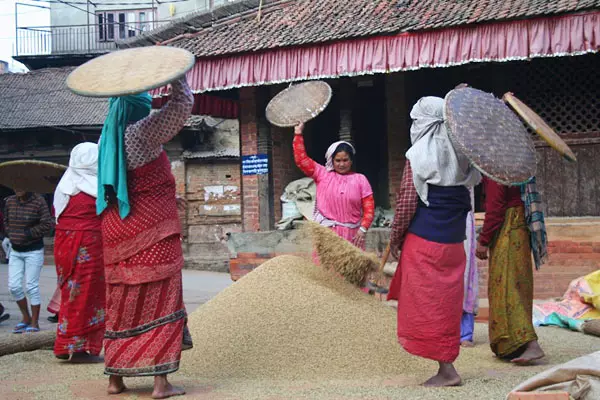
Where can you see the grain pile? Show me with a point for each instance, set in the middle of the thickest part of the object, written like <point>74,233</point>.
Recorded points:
<point>341,256</point>
<point>290,319</point>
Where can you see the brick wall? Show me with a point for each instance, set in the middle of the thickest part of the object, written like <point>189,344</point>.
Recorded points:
<point>568,260</point>
<point>249,143</point>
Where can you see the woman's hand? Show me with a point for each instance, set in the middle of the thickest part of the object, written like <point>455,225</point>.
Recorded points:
<point>395,252</point>
<point>299,129</point>
<point>359,239</point>
<point>481,252</point>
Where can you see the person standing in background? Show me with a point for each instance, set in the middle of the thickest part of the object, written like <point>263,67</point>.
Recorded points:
<point>26,220</point>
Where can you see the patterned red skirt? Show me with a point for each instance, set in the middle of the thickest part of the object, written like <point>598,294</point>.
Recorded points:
<point>144,327</point>
<point>80,270</point>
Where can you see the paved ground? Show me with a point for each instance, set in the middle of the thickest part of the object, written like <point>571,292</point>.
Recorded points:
<point>198,288</point>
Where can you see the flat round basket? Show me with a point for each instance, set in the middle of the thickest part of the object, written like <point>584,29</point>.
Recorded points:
<point>298,103</point>
<point>539,126</point>
<point>130,71</point>
<point>494,139</point>
<point>31,175</point>
<point>592,327</point>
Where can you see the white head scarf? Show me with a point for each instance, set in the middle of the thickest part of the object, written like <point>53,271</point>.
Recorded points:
<point>331,150</point>
<point>81,176</point>
<point>432,157</point>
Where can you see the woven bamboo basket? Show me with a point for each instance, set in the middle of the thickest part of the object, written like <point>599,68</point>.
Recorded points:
<point>130,71</point>
<point>298,103</point>
<point>539,126</point>
<point>591,327</point>
<point>490,135</point>
<point>31,175</point>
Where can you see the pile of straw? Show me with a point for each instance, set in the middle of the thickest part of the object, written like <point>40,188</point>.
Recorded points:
<point>339,255</point>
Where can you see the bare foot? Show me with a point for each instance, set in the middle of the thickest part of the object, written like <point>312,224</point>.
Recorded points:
<point>163,389</point>
<point>116,385</point>
<point>169,392</point>
<point>446,376</point>
<point>532,352</point>
<point>467,343</point>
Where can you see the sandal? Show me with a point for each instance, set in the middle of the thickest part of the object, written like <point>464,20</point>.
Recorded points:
<point>20,327</point>
<point>31,329</point>
<point>4,317</point>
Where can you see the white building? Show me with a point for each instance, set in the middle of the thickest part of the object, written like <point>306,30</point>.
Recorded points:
<point>82,30</point>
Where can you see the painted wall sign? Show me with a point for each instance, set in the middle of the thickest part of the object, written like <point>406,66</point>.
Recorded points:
<point>257,164</point>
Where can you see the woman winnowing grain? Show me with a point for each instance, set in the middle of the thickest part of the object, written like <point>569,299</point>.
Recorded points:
<point>513,228</point>
<point>145,314</point>
<point>429,227</point>
<point>344,198</point>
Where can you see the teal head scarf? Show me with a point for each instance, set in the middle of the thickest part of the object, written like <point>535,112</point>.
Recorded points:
<point>112,167</point>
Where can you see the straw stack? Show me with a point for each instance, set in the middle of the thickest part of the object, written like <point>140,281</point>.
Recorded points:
<point>340,256</point>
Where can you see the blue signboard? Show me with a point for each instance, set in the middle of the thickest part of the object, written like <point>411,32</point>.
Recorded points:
<point>257,164</point>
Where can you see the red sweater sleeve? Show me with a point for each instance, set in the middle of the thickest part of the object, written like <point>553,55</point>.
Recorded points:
<point>368,206</point>
<point>303,161</point>
<point>406,207</point>
<point>495,209</point>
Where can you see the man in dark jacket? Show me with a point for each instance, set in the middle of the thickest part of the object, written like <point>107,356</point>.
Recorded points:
<point>26,220</point>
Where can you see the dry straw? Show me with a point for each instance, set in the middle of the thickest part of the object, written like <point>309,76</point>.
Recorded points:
<point>31,175</point>
<point>339,255</point>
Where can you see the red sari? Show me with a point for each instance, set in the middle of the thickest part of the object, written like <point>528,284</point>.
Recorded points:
<point>80,270</point>
<point>143,257</point>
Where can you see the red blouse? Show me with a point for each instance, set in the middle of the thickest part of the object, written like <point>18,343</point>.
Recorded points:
<point>498,199</point>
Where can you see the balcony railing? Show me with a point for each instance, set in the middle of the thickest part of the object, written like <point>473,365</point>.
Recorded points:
<point>75,39</point>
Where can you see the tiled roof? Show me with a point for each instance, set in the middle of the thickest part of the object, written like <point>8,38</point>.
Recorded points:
<point>222,142</point>
<point>41,98</point>
<point>235,28</point>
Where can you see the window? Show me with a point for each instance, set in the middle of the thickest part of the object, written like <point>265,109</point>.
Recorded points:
<point>143,25</point>
<point>123,24</point>
<point>131,28</point>
<point>100,27</point>
<point>110,26</point>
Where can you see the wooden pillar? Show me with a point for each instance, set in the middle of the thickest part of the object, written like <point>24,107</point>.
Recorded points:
<point>346,95</point>
<point>398,129</point>
<point>266,214</point>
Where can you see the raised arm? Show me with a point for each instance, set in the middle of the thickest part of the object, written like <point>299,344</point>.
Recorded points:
<point>310,167</point>
<point>144,139</point>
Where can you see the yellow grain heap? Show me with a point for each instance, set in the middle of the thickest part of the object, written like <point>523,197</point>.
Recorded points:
<point>289,319</point>
<point>341,256</point>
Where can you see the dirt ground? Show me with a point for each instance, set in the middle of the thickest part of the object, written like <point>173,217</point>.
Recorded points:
<point>38,375</point>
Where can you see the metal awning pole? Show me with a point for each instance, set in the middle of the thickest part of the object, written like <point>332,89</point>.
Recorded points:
<point>88,25</point>
<point>16,30</point>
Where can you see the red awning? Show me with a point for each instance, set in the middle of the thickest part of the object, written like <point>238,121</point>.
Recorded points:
<point>565,35</point>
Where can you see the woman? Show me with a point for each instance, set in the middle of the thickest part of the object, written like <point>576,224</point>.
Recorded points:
<point>512,229</point>
<point>429,227</point>
<point>78,257</point>
<point>470,301</point>
<point>344,198</point>
<point>142,246</point>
